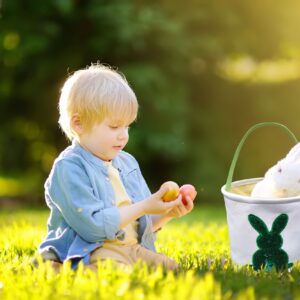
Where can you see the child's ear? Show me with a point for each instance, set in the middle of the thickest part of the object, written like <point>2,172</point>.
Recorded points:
<point>76,124</point>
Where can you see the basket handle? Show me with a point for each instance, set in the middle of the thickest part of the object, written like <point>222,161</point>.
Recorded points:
<point>239,147</point>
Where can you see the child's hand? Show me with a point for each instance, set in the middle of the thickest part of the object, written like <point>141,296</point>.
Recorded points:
<point>154,205</point>
<point>181,209</point>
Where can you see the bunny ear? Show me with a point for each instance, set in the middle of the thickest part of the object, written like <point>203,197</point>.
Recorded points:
<point>294,153</point>
<point>279,223</point>
<point>258,224</point>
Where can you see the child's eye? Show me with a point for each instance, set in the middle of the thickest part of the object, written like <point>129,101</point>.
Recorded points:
<point>115,127</point>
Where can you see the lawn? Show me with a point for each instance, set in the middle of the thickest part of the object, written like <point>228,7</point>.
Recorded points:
<point>199,242</point>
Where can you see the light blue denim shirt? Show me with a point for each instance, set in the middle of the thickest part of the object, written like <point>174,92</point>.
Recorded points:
<point>81,199</point>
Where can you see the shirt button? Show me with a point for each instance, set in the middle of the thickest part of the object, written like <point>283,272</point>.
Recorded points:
<point>79,209</point>
<point>85,250</point>
<point>107,178</point>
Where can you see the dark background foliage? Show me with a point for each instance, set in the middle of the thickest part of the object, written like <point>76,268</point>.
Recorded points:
<point>204,71</point>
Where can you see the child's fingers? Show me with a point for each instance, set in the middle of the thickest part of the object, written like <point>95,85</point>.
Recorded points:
<point>162,190</point>
<point>174,203</point>
<point>177,212</point>
<point>190,203</point>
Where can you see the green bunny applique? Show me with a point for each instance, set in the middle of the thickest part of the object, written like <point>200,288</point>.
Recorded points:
<point>269,254</point>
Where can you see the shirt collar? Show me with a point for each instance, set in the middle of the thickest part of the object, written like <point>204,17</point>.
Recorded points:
<point>91,157</point>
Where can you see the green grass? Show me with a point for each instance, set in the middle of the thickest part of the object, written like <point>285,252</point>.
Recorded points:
<point>199,242</point>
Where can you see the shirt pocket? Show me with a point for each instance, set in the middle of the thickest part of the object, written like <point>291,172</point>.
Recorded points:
<point>132,176</point>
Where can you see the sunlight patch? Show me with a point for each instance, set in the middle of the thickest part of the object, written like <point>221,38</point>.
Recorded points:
<point>247,69</point>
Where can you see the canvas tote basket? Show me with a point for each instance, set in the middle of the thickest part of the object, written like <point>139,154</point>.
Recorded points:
<point>255,237</point>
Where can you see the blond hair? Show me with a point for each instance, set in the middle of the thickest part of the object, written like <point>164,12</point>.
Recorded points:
<point>95,93</point>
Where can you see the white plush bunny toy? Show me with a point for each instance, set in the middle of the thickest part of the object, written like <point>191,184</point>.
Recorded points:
<point>283,179</point>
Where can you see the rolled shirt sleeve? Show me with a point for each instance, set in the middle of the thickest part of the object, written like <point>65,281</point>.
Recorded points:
<point>71,191</point>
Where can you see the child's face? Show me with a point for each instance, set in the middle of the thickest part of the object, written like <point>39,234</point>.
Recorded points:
<point>106,139</point>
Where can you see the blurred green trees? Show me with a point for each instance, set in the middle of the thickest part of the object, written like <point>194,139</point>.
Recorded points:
<point>203,71</point>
